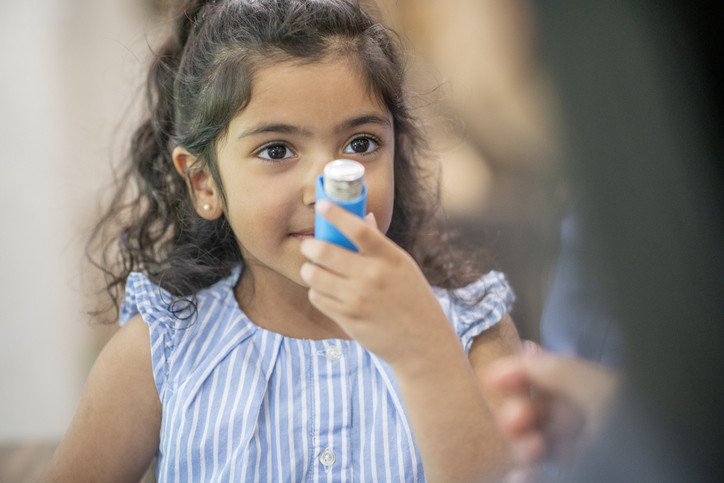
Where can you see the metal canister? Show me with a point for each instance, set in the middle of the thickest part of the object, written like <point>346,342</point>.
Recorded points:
<point>343,179</point>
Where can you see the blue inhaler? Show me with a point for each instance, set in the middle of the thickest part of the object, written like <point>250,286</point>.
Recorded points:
<point>342,183</point>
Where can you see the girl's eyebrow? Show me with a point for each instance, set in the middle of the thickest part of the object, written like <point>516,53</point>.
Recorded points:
<point>290,129</point>
<point>366,119</point>
<point>274,128</point>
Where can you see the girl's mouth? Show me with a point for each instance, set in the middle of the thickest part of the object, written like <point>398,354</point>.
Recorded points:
<point>303,234</point>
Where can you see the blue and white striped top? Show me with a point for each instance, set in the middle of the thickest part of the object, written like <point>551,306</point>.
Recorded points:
<point>241,403</point>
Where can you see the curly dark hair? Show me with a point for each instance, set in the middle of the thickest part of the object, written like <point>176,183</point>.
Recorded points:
<point>198,81</point>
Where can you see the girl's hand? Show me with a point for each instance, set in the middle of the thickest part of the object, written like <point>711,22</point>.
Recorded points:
<point>379,296</point>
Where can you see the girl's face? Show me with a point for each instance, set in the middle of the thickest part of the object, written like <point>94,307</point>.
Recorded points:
<point>299,118</point>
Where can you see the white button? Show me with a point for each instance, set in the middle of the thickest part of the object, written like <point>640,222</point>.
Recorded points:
<point>327,457</point>
<point>333,353</point>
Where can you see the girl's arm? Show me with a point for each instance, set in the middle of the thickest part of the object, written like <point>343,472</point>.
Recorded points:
<point>452,414</point>
<point>382,299</point>
<point>114,433</point>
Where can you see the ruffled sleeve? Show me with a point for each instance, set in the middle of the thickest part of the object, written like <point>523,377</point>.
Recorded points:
<point>153,303</point>
<point>478,306</point>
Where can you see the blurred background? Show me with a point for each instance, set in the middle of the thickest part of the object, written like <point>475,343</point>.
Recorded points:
<point>69,96</point>
<point>70,72</point>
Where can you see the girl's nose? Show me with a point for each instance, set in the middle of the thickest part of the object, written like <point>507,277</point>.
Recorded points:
<point>309,193</point>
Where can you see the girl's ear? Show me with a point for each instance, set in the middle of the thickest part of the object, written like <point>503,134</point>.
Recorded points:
<point>201,185</point>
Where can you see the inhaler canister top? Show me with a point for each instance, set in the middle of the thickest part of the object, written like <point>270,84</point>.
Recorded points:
<point>343,179</point>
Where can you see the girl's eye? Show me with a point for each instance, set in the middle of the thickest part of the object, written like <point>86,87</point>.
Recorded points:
<point>275,151</point>
<point>361,145</point>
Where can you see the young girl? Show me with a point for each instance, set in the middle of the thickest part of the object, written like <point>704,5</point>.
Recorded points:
<point>250,351</point>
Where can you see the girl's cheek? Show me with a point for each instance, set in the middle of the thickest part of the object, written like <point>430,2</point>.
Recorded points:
<point>383,212</point>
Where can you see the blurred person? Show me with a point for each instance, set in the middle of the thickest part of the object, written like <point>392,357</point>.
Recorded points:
<point>640,89</point>
<point>576,319</point>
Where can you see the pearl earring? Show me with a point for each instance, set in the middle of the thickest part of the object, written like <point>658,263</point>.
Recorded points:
<point>207,207</point>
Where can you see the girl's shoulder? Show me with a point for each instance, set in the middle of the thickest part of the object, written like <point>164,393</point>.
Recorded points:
<point>155,304</point>
<point>183,325</point>
<point>478,306</point>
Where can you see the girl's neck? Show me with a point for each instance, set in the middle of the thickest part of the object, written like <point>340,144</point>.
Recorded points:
<point>283,307</point>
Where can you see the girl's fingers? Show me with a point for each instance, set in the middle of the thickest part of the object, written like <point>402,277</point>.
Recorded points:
<point>332,257</point>
<point>322,280</point>
<point>361,233</point>
<point>325,303</point>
